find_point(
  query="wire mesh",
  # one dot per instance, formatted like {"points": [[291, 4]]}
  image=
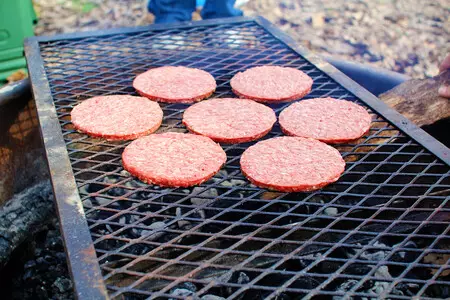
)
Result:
{"points": [[380, 231]]}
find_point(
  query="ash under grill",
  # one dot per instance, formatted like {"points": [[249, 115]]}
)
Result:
{"points": [[380, 231]]}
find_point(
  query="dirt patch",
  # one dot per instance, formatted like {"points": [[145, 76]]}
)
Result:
{"points": [[406, 36]]}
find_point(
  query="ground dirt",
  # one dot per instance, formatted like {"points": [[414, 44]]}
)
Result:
{"points": [[407, 36]]}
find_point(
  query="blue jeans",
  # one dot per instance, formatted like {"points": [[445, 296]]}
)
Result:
{"points": [[169, 11]]}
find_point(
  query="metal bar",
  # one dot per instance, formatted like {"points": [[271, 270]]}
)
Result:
{"points": [[394, 117], [14, 90], [80, 251], [153, 27]]}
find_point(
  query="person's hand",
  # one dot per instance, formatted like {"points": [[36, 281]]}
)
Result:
{"points": [[444, 90]]}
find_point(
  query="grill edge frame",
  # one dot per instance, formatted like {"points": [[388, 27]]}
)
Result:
{"points": [[82, 260]]}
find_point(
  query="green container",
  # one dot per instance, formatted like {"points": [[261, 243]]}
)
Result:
{"points": [[17, 18]]}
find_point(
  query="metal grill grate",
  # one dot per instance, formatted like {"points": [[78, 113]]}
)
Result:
{"points": [[380, 231]]}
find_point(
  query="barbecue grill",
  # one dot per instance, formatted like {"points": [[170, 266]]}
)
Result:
{"points": [[380, 231]]}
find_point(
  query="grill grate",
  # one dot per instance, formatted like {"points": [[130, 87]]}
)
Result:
{"points": [[380, 231]]}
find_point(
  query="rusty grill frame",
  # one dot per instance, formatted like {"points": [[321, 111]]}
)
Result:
{"points": [[285, 244]]}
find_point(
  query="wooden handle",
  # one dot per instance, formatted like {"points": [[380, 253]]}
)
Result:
{"points": [[419, 101]]}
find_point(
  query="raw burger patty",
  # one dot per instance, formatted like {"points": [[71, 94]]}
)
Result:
{"points": [[326, 119], [173, 159], [292, 164], [271, 84], [175, 84], [229, 120], [118, 117]]}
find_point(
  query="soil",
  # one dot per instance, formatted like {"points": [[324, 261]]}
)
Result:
{"points": [[406, 36]]}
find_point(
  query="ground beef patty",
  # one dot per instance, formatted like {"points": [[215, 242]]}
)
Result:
{"points": [[326, 119], [292, 164], [229, 120], [117, 117], [271, 84], [175, 84], [173, 159]]}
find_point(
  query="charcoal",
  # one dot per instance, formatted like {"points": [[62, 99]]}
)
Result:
{"points": [[153, 233], [211, 193], [238, 182], [50, 259], [87, 204], [438, 291], [181, 292], [43, 267], [375, 255], [28, 275], [181, 223], [344, 287], [331, 211], [188, 286], [132, 218], [358, 269], [42, 264], [30, 264], [41, 293], [63, 284], [212, 297], [117, 191], [61, 256], [109, 228], [282, 296], [242, 278], [381, 286], [405, 289], [102, 200], [138, 249], [37, 251]]}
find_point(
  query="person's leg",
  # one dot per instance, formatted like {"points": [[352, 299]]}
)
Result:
{"points": [[220, 9], [169, 11]]}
